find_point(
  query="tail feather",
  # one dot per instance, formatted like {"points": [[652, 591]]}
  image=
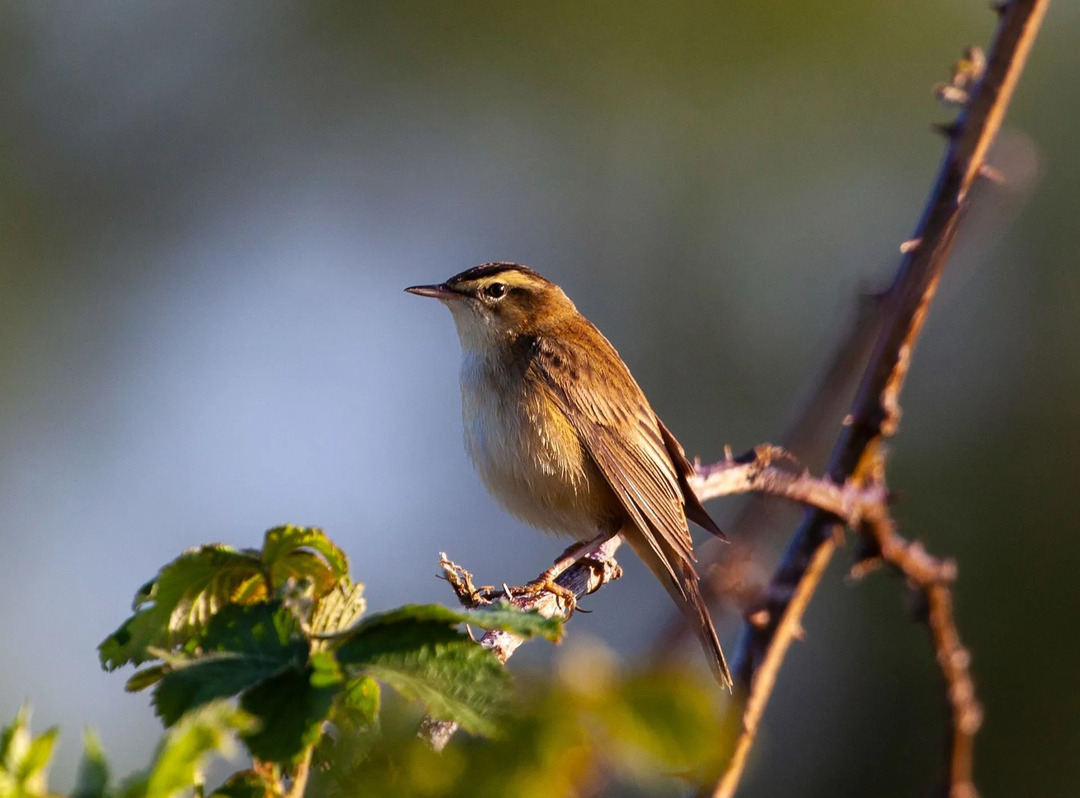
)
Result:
{"points": [[685, 590]]}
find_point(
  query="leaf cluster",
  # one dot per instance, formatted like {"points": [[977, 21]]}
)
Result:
{"points": [[282, 629]]}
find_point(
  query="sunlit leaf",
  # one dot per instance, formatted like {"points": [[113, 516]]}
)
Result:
{"points": [[303, 552], [179, 603], [24, 759], [433, 663], [499, 616], [339, 609]]}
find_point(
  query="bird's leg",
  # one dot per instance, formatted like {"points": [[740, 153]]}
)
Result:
{"points": [[573, 553], [546, 580]]}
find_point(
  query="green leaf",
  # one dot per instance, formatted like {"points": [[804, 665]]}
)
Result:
{"points": [[179, 764], [339, 609], [431, 662], [24, 759], [32, 767], [509, 618], [93, 778], [245, 645], [266, 629], [180, 602], [500, 616], [357, 706], [146, 677], [291, 711], [303, 552], [245, 784], [325, 670]]}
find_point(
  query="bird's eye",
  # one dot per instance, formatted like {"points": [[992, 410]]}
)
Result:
{"points": [[495, 290]]}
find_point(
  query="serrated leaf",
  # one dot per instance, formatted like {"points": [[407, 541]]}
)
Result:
{"points": [[509, 618], [264, 629], [291, 711], [216, 677], [339, 609], [244, 644], [357, 706], [212, 729], [300, 552], [500, 616], [179, 603], [92, 780], [431, 662]]}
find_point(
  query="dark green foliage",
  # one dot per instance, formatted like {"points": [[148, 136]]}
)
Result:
{"points": [[281, 629]]}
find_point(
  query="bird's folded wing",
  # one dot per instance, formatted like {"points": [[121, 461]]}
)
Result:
{"points": [[622, 435]]}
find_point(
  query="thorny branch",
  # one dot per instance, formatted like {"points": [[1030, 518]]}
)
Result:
{"points": [[875, 415]]}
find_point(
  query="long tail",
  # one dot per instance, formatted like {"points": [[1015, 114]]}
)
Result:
{"points": [[681, 583]]}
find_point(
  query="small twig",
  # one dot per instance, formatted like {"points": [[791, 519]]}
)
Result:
{"points": [[933, 578], [300, 775]]}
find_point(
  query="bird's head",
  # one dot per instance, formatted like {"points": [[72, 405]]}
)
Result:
{"points": [[495, 303]]}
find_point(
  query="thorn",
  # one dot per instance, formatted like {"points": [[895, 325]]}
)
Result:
{"points": [[727, 453], [993, 175], [506, 590], [948, 130], [760, 619], [864, 568], [950, 94], [910, 245], [799, 633], [848, 420]]}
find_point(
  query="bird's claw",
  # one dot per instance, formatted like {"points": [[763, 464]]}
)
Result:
{"points": [[545, 584]]}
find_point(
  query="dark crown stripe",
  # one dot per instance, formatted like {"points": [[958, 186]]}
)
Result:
{"points": [[490, 270]]}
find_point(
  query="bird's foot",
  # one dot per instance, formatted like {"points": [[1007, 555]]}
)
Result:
{"points": [[543, 584]]}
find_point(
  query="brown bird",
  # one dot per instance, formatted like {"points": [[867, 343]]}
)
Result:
{"points": [[564, 438]]}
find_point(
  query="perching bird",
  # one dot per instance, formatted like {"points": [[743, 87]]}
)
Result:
{"points": [[562, 435]]}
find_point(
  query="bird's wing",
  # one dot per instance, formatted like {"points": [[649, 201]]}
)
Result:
{"points": [[692, 504], [622, 435]]}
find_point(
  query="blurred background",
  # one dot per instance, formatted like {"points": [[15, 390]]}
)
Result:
{"points": [[208, 212]]}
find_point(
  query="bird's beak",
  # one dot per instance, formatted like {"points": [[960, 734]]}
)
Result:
{"points": [[434, 291]]}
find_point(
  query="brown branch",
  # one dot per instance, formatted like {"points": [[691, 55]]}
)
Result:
{"points": [[933, 579], [875, 413]]}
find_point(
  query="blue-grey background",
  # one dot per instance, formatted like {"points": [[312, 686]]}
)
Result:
{"points": [[208, 212]]}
